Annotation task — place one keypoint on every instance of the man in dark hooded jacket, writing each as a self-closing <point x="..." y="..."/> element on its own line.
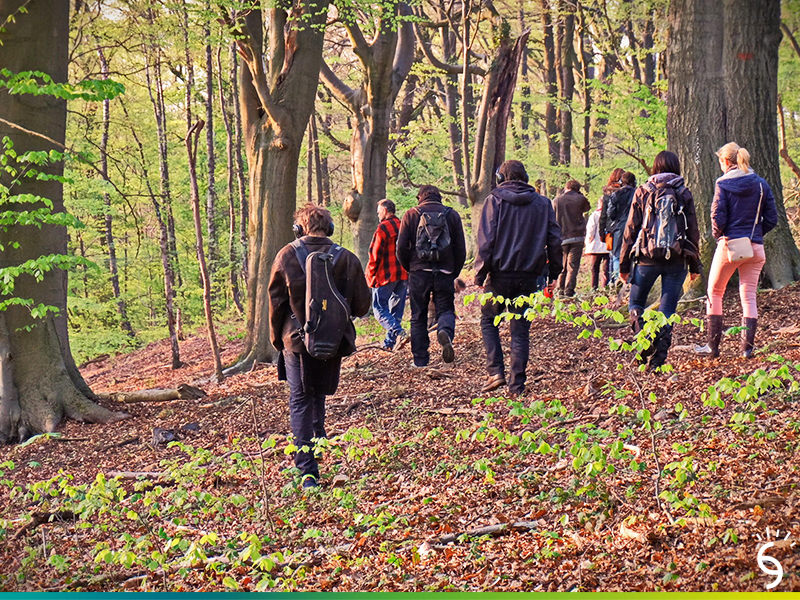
<point x="433" y="276"/>
<point x="517" y="236"/>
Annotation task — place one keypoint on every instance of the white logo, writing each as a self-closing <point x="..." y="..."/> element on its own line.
<point x="764" y="559"/>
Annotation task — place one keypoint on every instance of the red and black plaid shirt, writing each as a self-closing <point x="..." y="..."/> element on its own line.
<point x="383" y="267"/>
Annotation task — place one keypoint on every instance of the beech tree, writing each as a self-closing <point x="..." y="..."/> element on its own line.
<point x="386" y="62"/>
<point x="278" y="89"/>
<point x="39" y="383"/>
<point x="723" y="69"/>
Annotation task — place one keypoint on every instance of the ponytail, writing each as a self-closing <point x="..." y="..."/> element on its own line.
<point x="743" y="159"/>
<point x="735" y="154"/>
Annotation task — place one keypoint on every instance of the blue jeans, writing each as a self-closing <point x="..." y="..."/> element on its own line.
<point x="388" y="304"/>
<point x="672" y="278"/>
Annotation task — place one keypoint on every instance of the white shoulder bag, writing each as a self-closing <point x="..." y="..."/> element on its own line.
<point x="740" y="249"/>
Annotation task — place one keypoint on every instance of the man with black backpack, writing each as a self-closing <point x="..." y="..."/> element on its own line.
<point x="432" y="248"/>
<point x="315" y="288"/>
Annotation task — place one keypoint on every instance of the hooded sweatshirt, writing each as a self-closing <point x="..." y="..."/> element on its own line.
<point x="736" y="198"/>
<point x="517" y="234"/>
<point x="690" y="255"/>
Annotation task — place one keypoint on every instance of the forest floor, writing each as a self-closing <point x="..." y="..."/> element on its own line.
<point x="565" y="481"/>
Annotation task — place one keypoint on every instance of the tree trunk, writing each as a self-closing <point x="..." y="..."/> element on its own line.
<point x="492" y="121"/>
<point x="386" y="62"/>
<point x="723" y="87"/>
<point x="550" y="83"/>
<point x="109" y="219"/>
<point x="191" y="149"/>
<point x="43" y="386"/>
<point x="163" y="240"/>
<point x="275" y="106"/>
<point x="211" y="191"/>
<point x="586" y="75"/>
<point x="233" y="241"/>
<point x="239" y="164"/>
<point x="566" y="80"/>
<point x="317" y="159"/>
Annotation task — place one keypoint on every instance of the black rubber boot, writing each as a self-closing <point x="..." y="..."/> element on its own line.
<point x="714" y="324"/>
<point x="661" y="346"/>
<point x="637" y="324"/>
<point x="748" y="337"/>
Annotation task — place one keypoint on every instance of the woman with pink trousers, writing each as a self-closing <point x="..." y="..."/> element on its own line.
<point x="743" y="207"/>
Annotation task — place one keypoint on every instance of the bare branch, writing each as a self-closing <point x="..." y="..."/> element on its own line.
<point x="449" y="68"/>
<point x="338" y="88"/>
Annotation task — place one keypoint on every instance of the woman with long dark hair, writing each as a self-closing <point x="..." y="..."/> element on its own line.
<point x="660" y="240"/>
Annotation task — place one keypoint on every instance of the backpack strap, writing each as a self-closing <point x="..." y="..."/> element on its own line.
<point x="301" y="252"/>
<point x="336" y="251"/>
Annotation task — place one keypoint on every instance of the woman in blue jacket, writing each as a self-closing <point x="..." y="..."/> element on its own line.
<point x="743" y="207"/>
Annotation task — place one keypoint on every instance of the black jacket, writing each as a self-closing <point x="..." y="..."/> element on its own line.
<point x="517" y="233"/>
<point x="453" y="258"/>
<point x="619" y="205"/>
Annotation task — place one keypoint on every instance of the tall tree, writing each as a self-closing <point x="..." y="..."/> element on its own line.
<point x="42" y="386"/>
<point x="278" y="90"/>
<point x="723" y="87"/>
<point x="108" y="217"/>
<point x="386" y="62"/>
<point x="565" y="57"/>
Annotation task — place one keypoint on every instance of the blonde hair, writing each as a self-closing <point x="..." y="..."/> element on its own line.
<point x="734" y="153"/>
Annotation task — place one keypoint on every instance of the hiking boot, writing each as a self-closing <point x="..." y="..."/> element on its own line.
<point x="494" y="382"/>
<point x="748" y="337"/>
<point x="448" y="353"/>
<point x="309" y="482"/>
<point x="711" y="348"/>
<point x="661" y="346"/>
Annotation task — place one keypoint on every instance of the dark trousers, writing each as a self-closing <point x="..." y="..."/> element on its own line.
<point x="599" y="266"/>
<point x="510" y="287"/>
<point x="572" y="259"/>
<point x="421" y="286"/>
<point x="307" y="404"/>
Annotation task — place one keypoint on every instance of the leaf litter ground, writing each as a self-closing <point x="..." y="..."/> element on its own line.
<point x="416" y="468"/>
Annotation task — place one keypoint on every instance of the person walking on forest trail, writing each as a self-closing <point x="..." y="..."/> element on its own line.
<point x="432" y="248"/>
<point x="388" y="280"/>
<point x="742" y="212"/>
<point x="311" y="379"/>
<point x="570" y="209"/>
<point x="517" y="236"/>
<point x="661" y="239"/>
<point x="613" y="184"/>
<point x="617" y="209"/>
<point x="594" y="246"/>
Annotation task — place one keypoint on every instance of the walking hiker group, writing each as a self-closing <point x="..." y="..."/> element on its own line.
<point x="636" y="235"/>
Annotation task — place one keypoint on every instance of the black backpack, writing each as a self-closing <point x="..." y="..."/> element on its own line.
<point x="327" y="311"/>
<point x="433" y="235"/>
<point x="663" y="230"/>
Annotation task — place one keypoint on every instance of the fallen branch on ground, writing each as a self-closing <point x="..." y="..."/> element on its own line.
<point x="41" y="518"/>
<point x="182" y="392"/>
<point x="493" y="530"/>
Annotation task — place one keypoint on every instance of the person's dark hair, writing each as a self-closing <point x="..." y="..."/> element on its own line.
<point x="614" y="178"/>
<point x="429" y="193"/>
<point x="666" y="162"/>
<point x="574" y="185"/>
<point x="388" y="205"/>
<point x="314" y="218"/>
<point x="628" y="178"/>
<point x="513" y="170"/>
